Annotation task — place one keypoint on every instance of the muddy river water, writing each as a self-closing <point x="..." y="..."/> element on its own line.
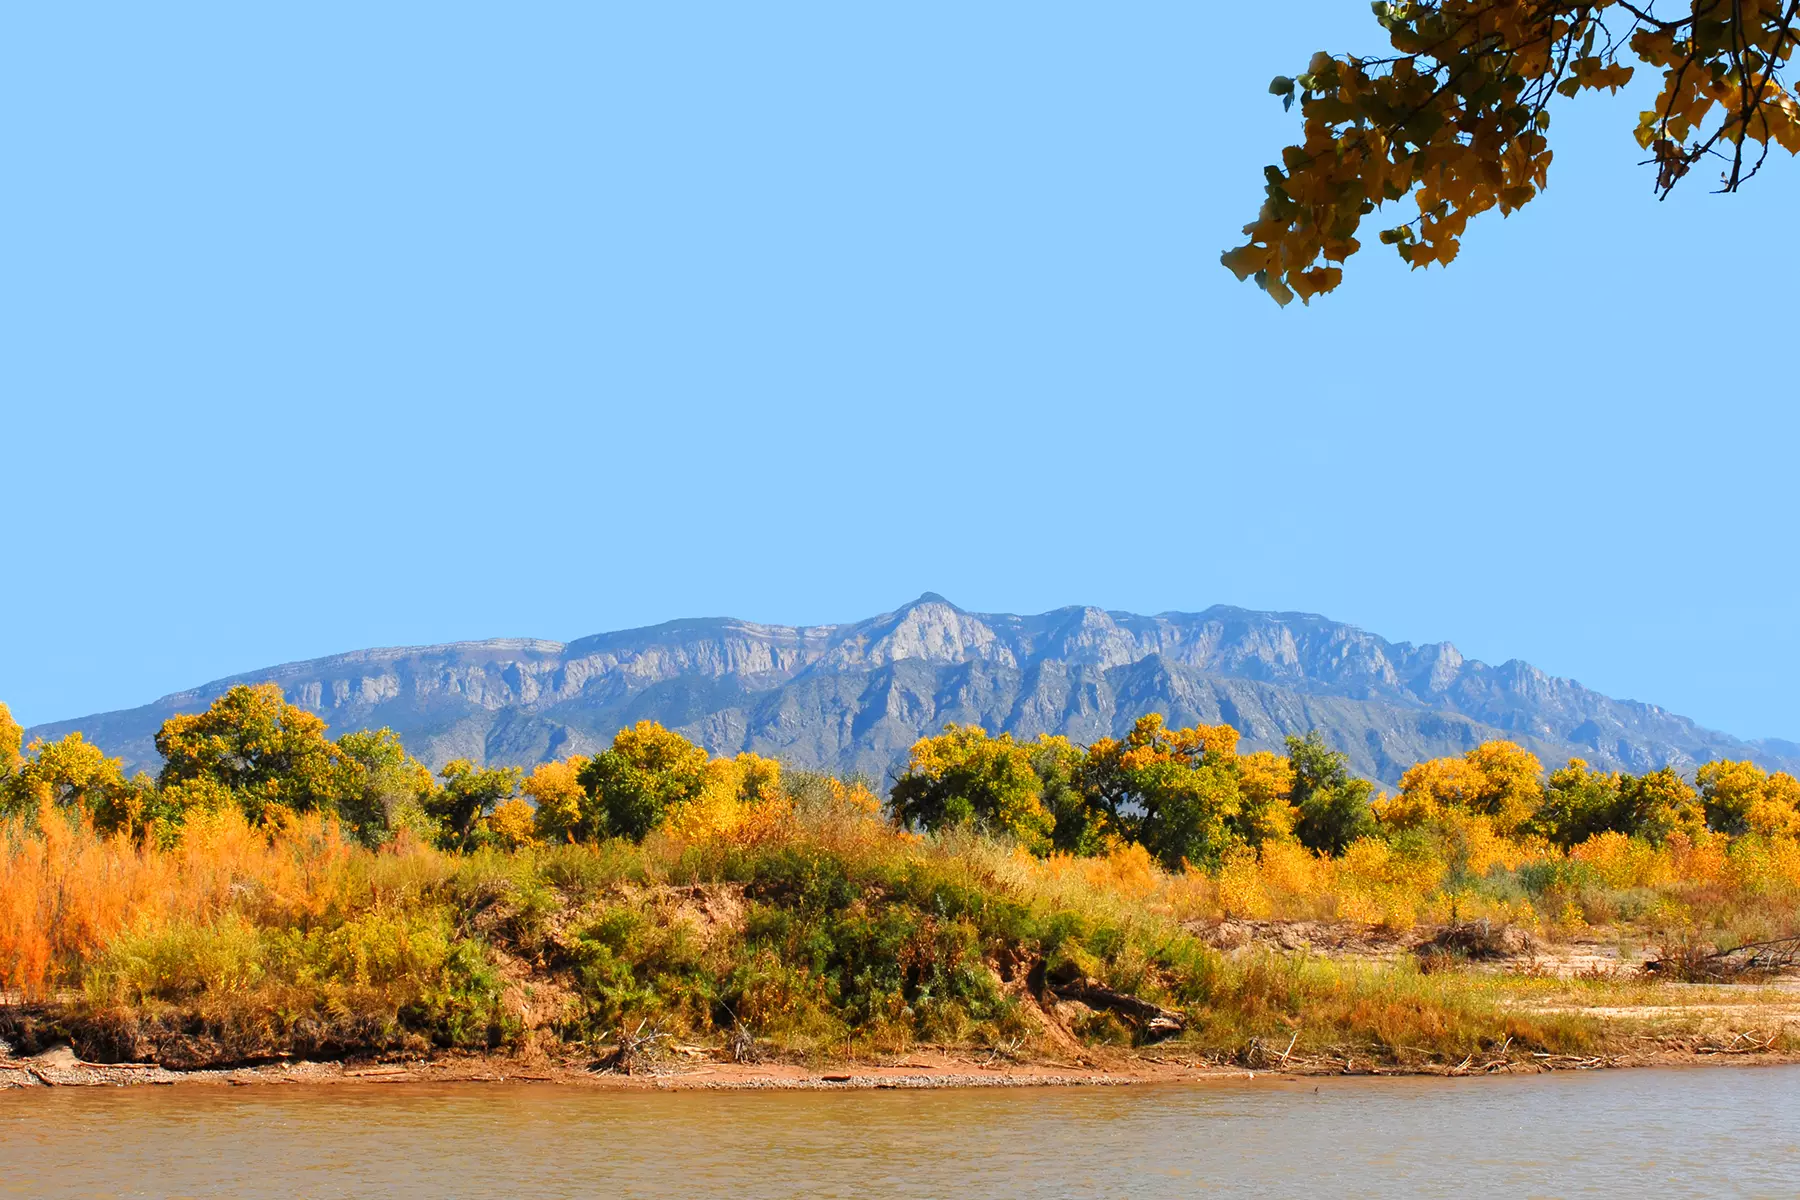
<point x="1707" y="1132"/>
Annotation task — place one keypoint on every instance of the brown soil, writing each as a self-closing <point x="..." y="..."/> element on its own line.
<point x="1593" y="953"/>
<point x="925" y="1069"/>
<point x="1711" y="1027"/>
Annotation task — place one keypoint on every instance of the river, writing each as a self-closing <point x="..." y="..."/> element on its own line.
<point x="1704" y="1132"/>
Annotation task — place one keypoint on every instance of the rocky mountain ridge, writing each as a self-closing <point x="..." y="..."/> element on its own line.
<point x="854" y="697"/>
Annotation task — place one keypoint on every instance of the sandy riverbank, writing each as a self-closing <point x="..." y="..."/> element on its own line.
<point x="59" y="1067"/>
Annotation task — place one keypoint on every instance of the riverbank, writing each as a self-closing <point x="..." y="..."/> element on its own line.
<point x="1615" y="1012"/>
<point x="830" y="946"/>
<point x="60" y="1068"/>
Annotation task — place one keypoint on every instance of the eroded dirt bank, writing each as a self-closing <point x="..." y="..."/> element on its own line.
<point x="60" y="1068"/>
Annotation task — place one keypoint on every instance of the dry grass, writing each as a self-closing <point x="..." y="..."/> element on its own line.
<point x="803" y="928"/>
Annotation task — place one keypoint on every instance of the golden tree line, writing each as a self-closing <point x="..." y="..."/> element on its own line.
<point x="1188" y="796"/>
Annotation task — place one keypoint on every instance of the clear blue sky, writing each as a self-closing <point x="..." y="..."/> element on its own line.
<point x="343" y="325"/>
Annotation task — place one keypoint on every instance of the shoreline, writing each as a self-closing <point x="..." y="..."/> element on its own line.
<point x="59" y="1067"/>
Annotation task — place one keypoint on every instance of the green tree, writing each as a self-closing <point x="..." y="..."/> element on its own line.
<point x="1660" y="803"/>
<point x="1174" y="791"/>
<point x="1078" y="826"/>
<point x="469" y="794"/>
<point x="1334" y="805"/>
<point x="270" y="755"/>
<point x="965" y="777"/>
<point x="386" y="783"/>
<point x="1578" y="803"/>
<point x="633" y="783"/>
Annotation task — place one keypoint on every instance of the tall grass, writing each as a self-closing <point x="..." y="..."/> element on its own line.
<point x="817" y="926"/>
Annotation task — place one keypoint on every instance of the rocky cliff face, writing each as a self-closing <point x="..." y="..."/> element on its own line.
<point x="855" y="697"/>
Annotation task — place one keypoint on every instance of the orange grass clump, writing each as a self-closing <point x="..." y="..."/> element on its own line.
<point x="66" y="890"/>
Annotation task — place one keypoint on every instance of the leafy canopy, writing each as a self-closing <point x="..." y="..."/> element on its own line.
<point x="1458" y="115"/>
<point x="632" y="784"/>
<point x="965" y="777"/>
<point x="11" y="739"/>
<point x="469" y="794"/>
<point x="1185" y="795"/>
<point x="76" y="775"/>
<point x="268" y="754"/>
<point x="1333" y="805"/>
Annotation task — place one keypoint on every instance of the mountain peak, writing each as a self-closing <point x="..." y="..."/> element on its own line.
<point x="854" y="697"/>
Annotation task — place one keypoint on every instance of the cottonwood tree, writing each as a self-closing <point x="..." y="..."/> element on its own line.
<point x="270" y="755"/>
<point x="469" y="794"/>
<point x="75" y="775"/>
<point x="964" y="776"/>
<point x="629" y="786"/>
<point x="1333" y="805"/>
<point x="12" y="738"/>
<point x="1457" y="117"/>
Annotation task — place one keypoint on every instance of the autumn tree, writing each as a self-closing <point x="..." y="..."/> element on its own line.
<point x="469" y="794"/>
<point x="740" y="793"/>
<point x="1659" y="803"/>
<point x="76" y="776"/>
<point x="271" y="756"/>
<point x="382" y="784"/>
<point x="1740" y="797"/>
<point x="1579" y="802"/>
<point x="1456" y="116"/>
<point x="513" y="824"/>
<point x="1175" y="791"/>
<point x="12" y="738"/>
<point x="560" y="815"/>
<point x="1497" y="779"/>
<point x="969" y="778"/>
<point x="1333" y="805"/>
<point x="631" y="785"/>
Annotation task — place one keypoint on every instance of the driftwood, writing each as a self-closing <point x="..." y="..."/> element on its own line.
<point x="743" y="1045"/>
<point x="637" y="1050"/>
<point x="1152" y="1021"/>
<point x="1705" y="964"/>
<point x="1743" y="1043"/>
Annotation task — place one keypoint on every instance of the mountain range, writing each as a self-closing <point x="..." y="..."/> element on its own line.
<point x="853" y="698"/>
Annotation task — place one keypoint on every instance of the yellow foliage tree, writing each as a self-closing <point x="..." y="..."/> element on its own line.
<point x="1512" y="783"/>
<point x="965" y="776"/>
<point x="270" y="754"/>
<point x="1265" y="782"/>
<point x="74" y="774"/>
<point x="1497" y="779"/>
<point x="513" y="823"/>
<point x="738" y="793"/>
<point x="1428" y="789"/>
<point x="558" y="795"/>
<point x="1457" y="116"/>
<point x="1740" y="797"/>
<point x="11" y="739"/>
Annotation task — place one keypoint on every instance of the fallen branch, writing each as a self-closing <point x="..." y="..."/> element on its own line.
<point x="1153" y="1021"/>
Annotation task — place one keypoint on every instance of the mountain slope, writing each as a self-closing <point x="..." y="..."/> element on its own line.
<point x="854" y="697"/>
